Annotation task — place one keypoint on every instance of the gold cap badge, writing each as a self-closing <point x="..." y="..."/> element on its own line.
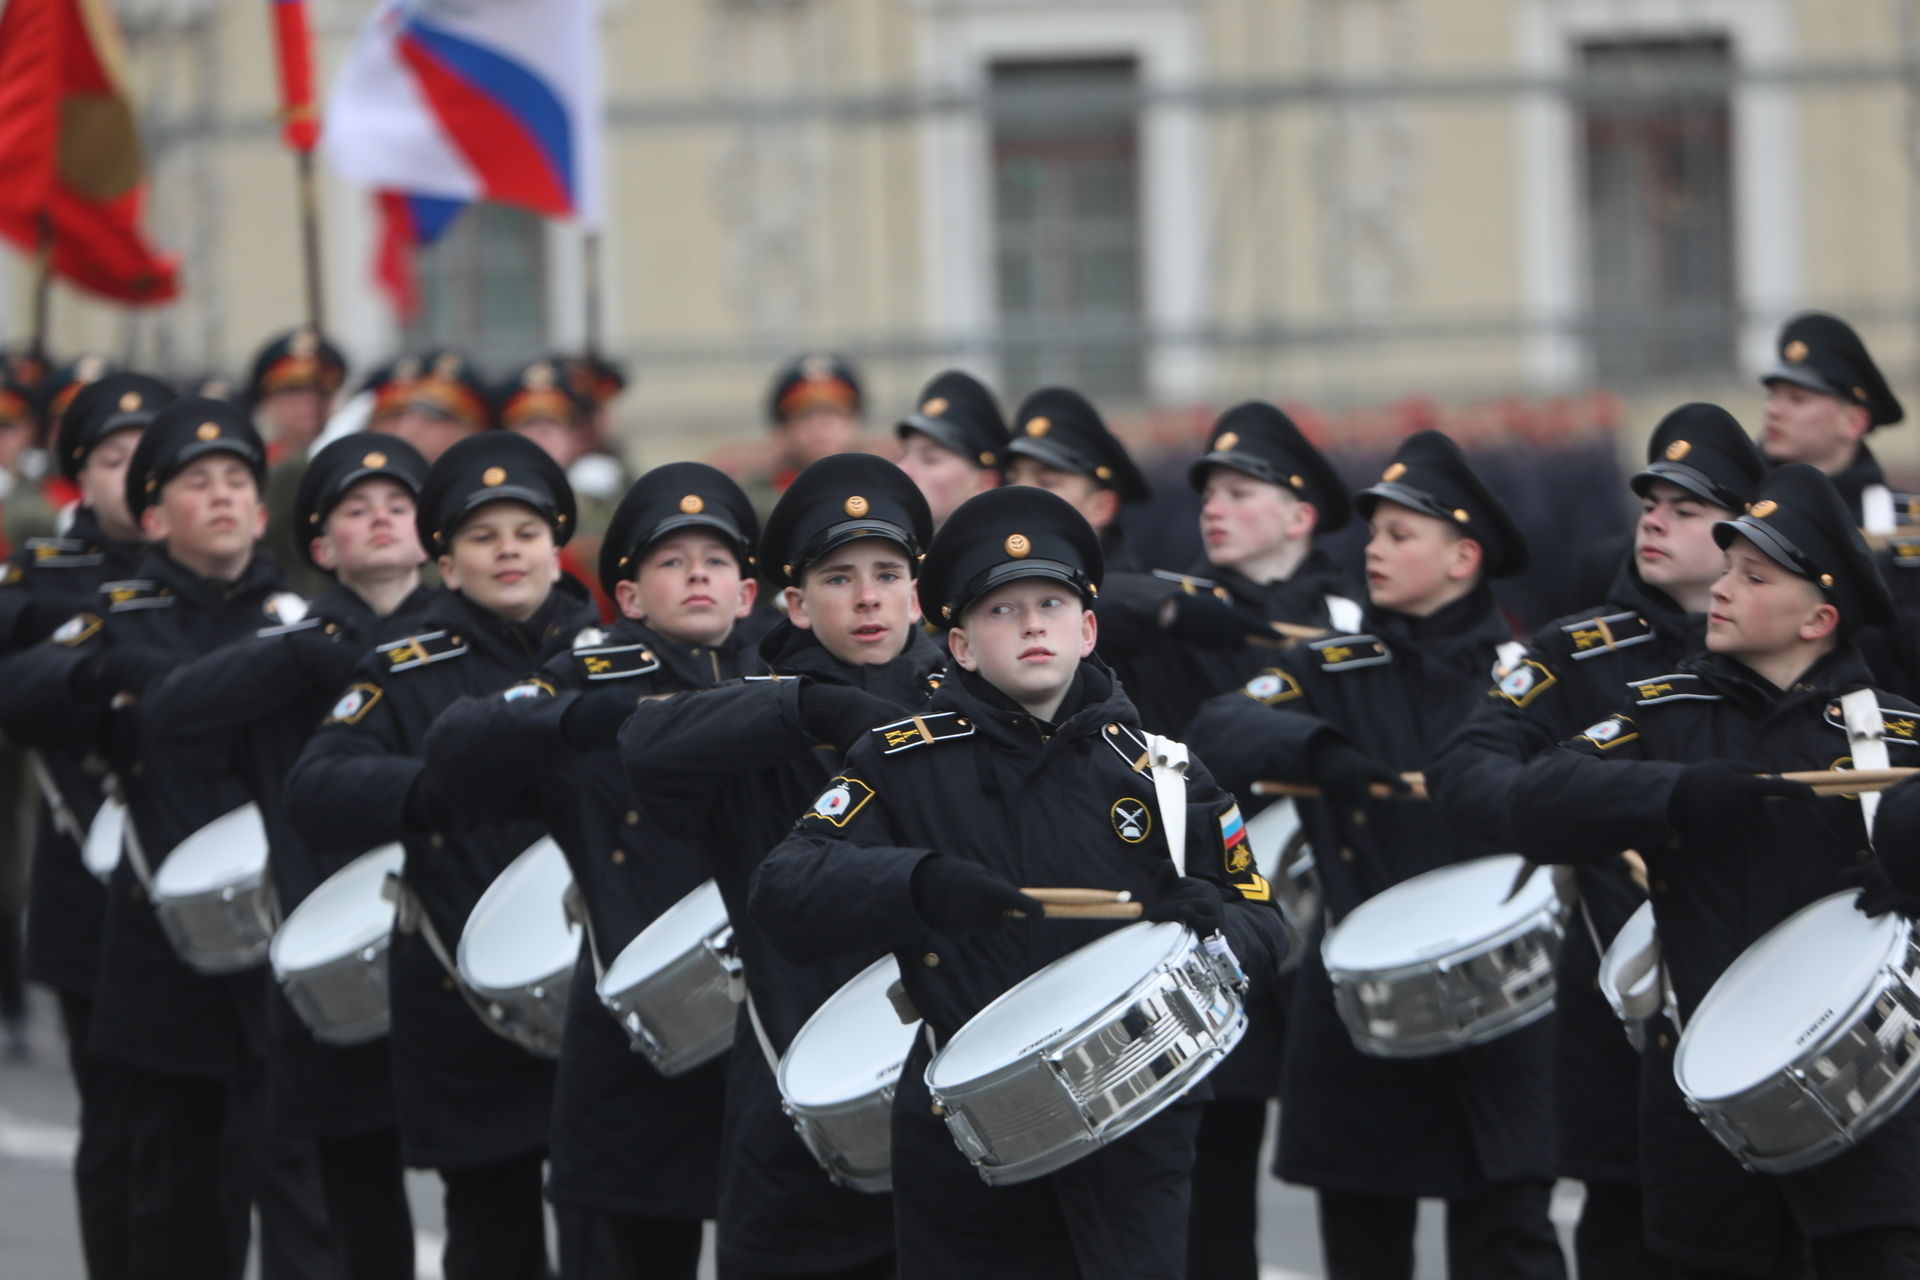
<point x="1460" y="514"/>
<point x="493" y="477"/>
<point x="857" y="506"/>
<point x="693" y="504"/>
<point x="1227" y="440"/>
<point x="1394" y="472"/>
<point x="1038" y="426"/>
<point x="1826" y="580"/>
<point x="1763" y="508"/>
<point x="1796" y="351"/>
<point x="129" y="402"/>
<point x="934" y="407"/>
<point x="986" y="458"/>
<point x="1018" y="546"/>
<point x="1678" y="450"/>
<point x="1298" y="482"/>
<point x="375" y="459"/>
<point x="208" y="431"/>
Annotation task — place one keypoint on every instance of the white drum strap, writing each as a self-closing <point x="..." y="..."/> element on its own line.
<point x="1877" y="511"/>
<point x="1866" y="735"/>
<point x="574" y="903"/>
<point x="64" y="819"/>
<point x="760" y="1034"/>
<point x="1643" y="1005"/>
<point x="1169" y="760"/>
<point x="1345" y="615"/>
<point x="411" y="917"/>
<point x="1507" y="655"/>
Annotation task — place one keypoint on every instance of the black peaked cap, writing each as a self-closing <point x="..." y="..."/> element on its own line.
<point x="1002" y="536"/>
<point x="344" y="463"/>
<point x="299" y="359"/>
<point x="182" y="431"/>
<point x="113" y="403"/>
<point x="1430" y="475"/>
<point x="1261" y="441"/>
<point x="490" y="467"/>
<point x="1058" y="427"/>
<point x="837" y="500"/>
<point x="957" y="412"/>
<point x="1704" y="450"/>
<point x="814" y="381"/>
<point x="1800" y="522"/>
<point x="1822" y="353"/>
<point x="667" y="499"/>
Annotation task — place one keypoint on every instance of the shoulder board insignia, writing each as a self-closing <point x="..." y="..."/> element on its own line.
<point x="284" y="628"/>
<point x="1273" y="687"/>
<point x="1129" y="745"/>
<point x="129" y="594"/>
<point x="1902" y="727"/>
<point x="768" y="679"/>
<point x="1905" y="550"/>
<point x="1349" y="653"/>
<point x="923" y="730"/>
<point x="936" y="678"/>
<point x="1522" y="683"/>
<point x="1610" y="732"/>
<point x="1188" y="583"/>
<point x="77" y="630"/>
<point x="617" y="661"/>
<point x="11" y="574"/>
<point x="418" y="651"/>
<point x="65" y="553"/>
<point x="1607" y="633"/>
<point x="354" y="703"/>
<point x="1678" y="687"/>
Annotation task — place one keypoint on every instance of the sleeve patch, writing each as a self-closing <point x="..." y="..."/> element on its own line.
<point x="78" y="629"/>
<point x="354" y="704"/>
<point x="527" y="689"/>
<point x="1525" y="683"/>
<point x="843" y="798"/>
<point x="1242" y="872"/>
<point x="1272" y="687"/>
<point x="1610" y="732"/>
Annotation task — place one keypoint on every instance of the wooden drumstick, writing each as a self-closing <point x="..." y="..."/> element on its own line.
<point x="1092" y="911"/>
<point x="1835" y="782"/>
<point x="1416" y="788"/>
<point x="1078" y="897"/>
<point x="1636" y="867"/>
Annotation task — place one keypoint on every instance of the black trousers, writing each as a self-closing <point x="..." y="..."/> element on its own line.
<point x="496" y="1221"/>
<point x="180" y="1221"/>
<point x="366" y="1194"/>
<point x="1223" y="1227"/>
<point x="1502" y="1234"/>
<point x="102" y="1162"/>
<point x="878" y="1269"/>
<point x="598" y="1245"/>
<point x="282" y="1183"/>
<point x="1609" y="1242"/>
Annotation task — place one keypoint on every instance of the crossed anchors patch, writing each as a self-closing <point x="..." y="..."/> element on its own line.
<point x="1132" y="820"/>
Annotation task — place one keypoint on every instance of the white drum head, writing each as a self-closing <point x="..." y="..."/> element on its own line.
<point x="1058" y="998"/>
<point x="346" y="913"/>
<point x="519" y="932"/>
<point x="1436" y="914"/>
<point x="227" y="850"/>
<point x="673" y="933"/>
<point x="105" y="836"/>
<point x="1270" y="832"/>
<point x="1792" y="984"/>
<point x="1632" y="939"/>
<point x="851" y="1045"/>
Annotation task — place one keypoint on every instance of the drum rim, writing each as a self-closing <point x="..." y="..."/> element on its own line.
<point x="1549" y="908"/>
<point x="706" y="888"/>
<point x="381" y="853"/>
<point x="1609" y="965"/>
<point x="911" y="1030"/>
<point x="162" y="892"/>
<point x="538" y="850"/>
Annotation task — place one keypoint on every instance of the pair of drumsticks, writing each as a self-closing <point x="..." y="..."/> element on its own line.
<point x="1825" y="782"/>
<point x="1084" y="904"/>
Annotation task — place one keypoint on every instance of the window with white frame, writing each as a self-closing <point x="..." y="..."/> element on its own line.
<point x="483" y="288"/>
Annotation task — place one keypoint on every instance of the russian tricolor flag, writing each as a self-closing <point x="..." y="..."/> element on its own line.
<point x="457" y="101"/>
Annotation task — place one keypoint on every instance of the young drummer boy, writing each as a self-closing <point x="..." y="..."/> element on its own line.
<point x="1025" y="768"/>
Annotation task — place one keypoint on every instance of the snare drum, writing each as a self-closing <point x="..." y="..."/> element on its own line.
<point x="1809" y="1040"/>
<point x="838" y="1076"/>
<point x="213" y="896"/>
<point x="1282" y="855"/>
<point x="1087" y="1049"/>
<point x="672" y="987"/>
<point x="1628" y="981"/>
<point x="1442" y="961"/>
<point x="519" y="947"/>
<point x="105" y="836"/>
<point x="330" y="956"/>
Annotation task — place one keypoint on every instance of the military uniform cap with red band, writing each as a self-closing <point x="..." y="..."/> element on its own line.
<point x="297" y="360"/>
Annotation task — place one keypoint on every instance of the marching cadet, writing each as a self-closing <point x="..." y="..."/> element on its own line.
<point x="178" y="1039"/>
<point x="1702" y="467"/>
<point x="1062" y="445"/>
<point x="43" y="584"/>
<point x="954" y="443"/>
<point x="1373" y="1135"/>
<point x="432" y="400"/>
<point x="290" y="388"/>
<point x="635" y="1155"/>
<point x="726" y="769"/>
<point x="1824" y="396"/>
<point x="1675" y="774"/>
<point x="539" y="402"/>
<point x="1032" y="735"/>
<point x="247" y="710"/>
<point x="814" y="409"/>
<point x="473" y="1106"/>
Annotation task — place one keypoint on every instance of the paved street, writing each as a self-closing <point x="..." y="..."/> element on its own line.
<point x="38" y="1238"/>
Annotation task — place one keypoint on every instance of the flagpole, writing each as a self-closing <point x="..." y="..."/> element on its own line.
<point x="590" y="265"/>
<point x="43" y="287"/>
<point x="310" y="241"/>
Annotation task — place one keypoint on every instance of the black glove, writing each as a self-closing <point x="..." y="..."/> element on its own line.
<point x="427" y="809"/>
<point x="1713" y="795"/>
<point x="839" y="713"/>
<point x="956" y="896"/>
<point x="326" y="661"/>
<point x="1207" y="622"/>
<point x="131" y="668"/>
<point x="594" y="720"/>
<point x="1878" y="895"/>
<point x="1185" y="900"/>
<point x="1347" y="775"/>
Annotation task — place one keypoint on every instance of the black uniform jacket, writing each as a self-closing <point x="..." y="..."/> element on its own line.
<point x="45" y="582"/>
<point x="727" y="770"/>
<point x="247" y="710"/>
<point x="465" y="1095"/>
<point x="1439" y="1126"/>
<point x="625" y="1138"/>
<point x="1607" y="790"/>
<point x="976" y="777"/>
<point x="1575" y="671"/>
<point x="151" y="1010"/>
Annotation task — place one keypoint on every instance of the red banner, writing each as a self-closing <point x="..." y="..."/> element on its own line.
<point x="299" y="123"/>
